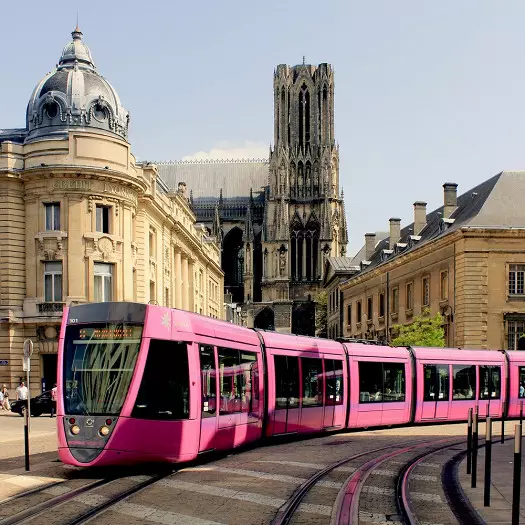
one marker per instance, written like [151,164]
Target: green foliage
[321,315]
[423,331]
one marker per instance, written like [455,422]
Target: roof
[13,135]
[360,255]
[341,264]
[495,203]
[207,178]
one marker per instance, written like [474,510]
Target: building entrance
[49,371]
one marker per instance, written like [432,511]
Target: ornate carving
[106,247]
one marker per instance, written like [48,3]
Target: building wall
[156,251]
[475,300]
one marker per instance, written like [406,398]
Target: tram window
[370,382]
[521,391]
[437,380]
[394,382]
[236,368]
[286,381]
[312,372]
[463,382]
[209,381]
[489,382]
[164,391]
[334,382]
[250,395]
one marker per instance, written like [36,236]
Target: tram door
[333,393]
[286,415]
[436,396]
[209,398]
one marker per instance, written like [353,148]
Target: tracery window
[304,116]
[304,253]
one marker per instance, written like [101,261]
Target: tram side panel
[516,389]
[451,381]
[306,384]
[380,385]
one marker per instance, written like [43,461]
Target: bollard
[488,459]
[26,438]
[469,442]
[516,481]
[503,406]
[474,449]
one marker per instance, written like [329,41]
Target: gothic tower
[304,217]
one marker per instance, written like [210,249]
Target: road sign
[28,348]
[26,366]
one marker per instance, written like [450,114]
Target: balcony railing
[50,308]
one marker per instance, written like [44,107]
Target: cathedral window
[304,253]
[304,116]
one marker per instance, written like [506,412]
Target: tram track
[85,496]
[346,507]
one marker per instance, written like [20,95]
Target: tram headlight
[75,429]
[104,431]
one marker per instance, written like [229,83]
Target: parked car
[40,404]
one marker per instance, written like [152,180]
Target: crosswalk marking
[275,477]
[250,497]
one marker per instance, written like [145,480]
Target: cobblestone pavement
[248,488]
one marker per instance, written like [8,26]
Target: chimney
[420,216]
[370,245]
[450,195]
[395,232]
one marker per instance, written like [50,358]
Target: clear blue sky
[426,92]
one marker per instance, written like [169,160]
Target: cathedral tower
[304,220]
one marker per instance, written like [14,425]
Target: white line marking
[317,466]
[413,495]
[392,473]
[259,499]
[275,477]
[29,482]
[144,513]
[373,517]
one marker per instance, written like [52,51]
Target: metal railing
[50,308]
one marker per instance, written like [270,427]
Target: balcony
[50,308]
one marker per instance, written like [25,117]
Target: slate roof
[14,135]
[495,203]
[207,178]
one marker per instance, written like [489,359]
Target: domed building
[83,221]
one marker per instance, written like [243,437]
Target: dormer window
[385,254]
[365,264]
[413,240]
[399,247]
[444,224]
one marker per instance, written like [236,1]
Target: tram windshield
[99,361]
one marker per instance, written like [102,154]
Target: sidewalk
[500,510]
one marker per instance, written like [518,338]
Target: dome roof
[74,95]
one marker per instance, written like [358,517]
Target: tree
[423,331]
[321,315]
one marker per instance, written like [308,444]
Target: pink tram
[143,383]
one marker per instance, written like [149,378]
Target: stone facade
[83,221]
[465,260]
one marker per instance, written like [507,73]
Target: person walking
[5,395]
[21,391]
[53,400]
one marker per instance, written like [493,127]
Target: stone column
[178,279]
[191,284]
[304,260]
[76,264]
[185,283]
[127,255]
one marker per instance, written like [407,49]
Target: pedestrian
[53,400]
[5,394]
[21,391]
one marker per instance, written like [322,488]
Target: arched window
[304,252]
[304,116]
[282,123]
[233,262]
